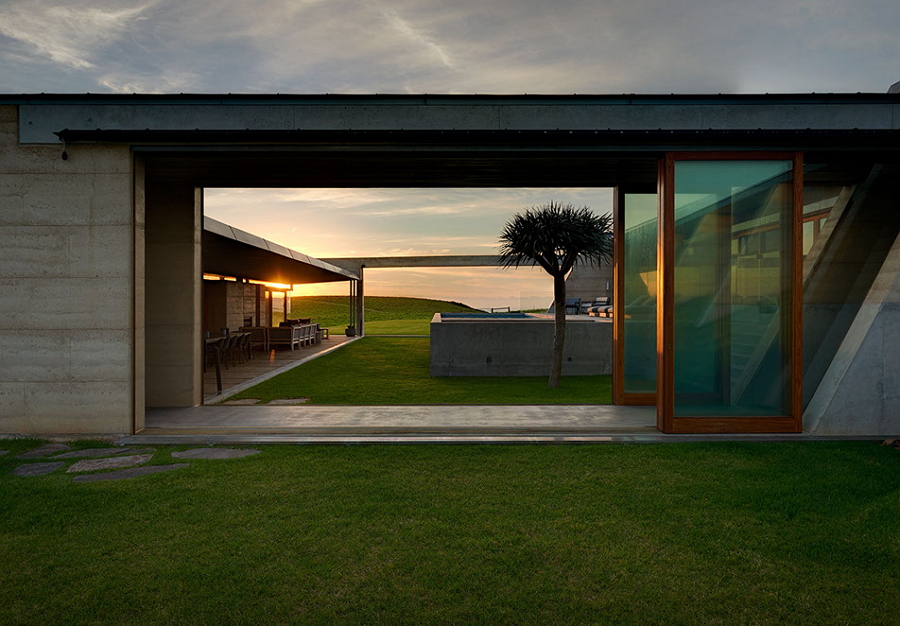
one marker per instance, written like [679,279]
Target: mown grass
[395,370]
[333,312]
[707,533]
[399,327]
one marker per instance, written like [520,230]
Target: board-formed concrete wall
[517,347]
[66,287]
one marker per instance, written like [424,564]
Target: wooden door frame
[666,421]
[620,396]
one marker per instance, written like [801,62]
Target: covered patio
[246,287]
[263,365]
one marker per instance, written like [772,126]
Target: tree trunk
[559,328]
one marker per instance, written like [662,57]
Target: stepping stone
[123,474]
[37,469]
[214,453]
[95,452]
[92,465]
[2,452]
[241,402]
[44,450]
[289,401]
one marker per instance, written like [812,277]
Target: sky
[426,46]
[404,222]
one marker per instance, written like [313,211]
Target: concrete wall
[66,289]
[588,282]
[173,333]
[517,347]
[860,392]
[227,303]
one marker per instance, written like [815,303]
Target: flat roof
[197,118]
[230,251]
[436,99]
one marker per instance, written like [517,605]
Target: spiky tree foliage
[556,236]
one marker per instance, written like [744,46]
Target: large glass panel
[853,204]
[639,299]
[732,288]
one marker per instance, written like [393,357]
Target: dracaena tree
[556,236]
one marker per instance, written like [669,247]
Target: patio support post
[360,304]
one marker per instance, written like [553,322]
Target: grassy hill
[384,315]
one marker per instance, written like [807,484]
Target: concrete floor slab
[306,419]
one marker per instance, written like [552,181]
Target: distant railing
[500,309]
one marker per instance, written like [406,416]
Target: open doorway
[426,251]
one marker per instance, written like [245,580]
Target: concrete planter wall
[517,347]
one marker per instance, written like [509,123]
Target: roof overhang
[230,251]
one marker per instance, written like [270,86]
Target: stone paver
[242,402]
[132,472]
[44,450]
[37,469]
[92,465]
[214,453]
[89,453]
[2,452]
[289,401]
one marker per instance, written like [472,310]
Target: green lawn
[712,533]
[384,315]
[394,370]
[399,327]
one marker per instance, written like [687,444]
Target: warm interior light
[280,286]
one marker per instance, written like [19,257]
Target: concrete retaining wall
[66,287]
[514,347]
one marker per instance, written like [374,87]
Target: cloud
[504,46]
[71,35]
[416,35]
[164,83]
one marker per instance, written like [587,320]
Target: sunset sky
[421,46]
[404,222]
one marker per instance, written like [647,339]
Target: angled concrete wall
[860,392]
[66,288]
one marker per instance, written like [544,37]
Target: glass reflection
[732,281]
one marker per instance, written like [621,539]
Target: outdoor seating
[213,347]
[573,306]
[259,336]
[600,307]
[227,349]
[596,303]
[245,346]
[283,336]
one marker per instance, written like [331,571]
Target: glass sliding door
[634,300]
[731,284]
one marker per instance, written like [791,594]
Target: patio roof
[230,251]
